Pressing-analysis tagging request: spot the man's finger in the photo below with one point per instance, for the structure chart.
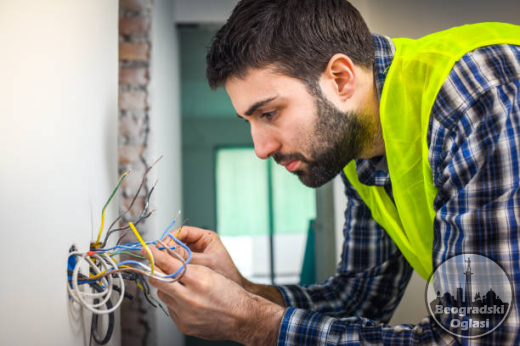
(181, 251)
(163, 260)
(202, 259)
(196, 238)
(196, 257)
(175, 247)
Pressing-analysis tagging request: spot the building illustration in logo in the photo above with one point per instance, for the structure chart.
(469, 312)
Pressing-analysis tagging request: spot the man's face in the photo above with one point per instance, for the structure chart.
(306, 133)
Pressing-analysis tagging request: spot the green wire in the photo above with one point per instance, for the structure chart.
(115, 189)
(96, 244)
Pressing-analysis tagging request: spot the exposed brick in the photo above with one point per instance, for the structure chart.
(130, 185)
(135, 328)
(130, 153)
(132, 190)
(132, 100)
(129, 339)
(134, 54)
(135, 5)
(134, 51)
(131, 287)
(137, 208)
(131, 127)
(133, 76)
(138, 25)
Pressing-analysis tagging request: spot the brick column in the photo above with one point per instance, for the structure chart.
(134, 63)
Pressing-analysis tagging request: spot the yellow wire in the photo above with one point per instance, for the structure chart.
(101, 228)
(94, 277)
(138, 236)
(97, 243)
(180, 229)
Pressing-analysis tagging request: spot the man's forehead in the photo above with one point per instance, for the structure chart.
(258, 85)
(252, 78)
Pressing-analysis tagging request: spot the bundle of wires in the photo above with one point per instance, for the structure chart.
(105, 279)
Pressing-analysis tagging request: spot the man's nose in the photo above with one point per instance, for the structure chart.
(265, 144)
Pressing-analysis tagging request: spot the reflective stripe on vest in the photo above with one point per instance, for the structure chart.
(416, 75)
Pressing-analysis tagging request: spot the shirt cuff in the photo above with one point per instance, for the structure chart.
(303, 327)
(294, 295)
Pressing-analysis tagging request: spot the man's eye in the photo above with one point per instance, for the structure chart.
(268, 115)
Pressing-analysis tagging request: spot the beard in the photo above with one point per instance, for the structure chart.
(338, 137)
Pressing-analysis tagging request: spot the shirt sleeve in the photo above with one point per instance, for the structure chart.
(303, 327)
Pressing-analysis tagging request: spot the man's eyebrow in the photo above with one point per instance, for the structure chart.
(257, 105)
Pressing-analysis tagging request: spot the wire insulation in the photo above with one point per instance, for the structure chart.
(106, 205)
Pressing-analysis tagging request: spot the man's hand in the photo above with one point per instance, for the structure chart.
(208, 250)
(208, 305)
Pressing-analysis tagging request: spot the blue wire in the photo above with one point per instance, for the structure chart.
(167, 229)
(184, 246)
(134, 246)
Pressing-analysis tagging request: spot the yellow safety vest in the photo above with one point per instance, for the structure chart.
(416, 75)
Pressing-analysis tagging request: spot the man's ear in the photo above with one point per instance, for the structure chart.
(340, 76)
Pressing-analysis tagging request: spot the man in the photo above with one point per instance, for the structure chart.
(425, 134)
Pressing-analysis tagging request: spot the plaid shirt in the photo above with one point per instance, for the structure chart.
(474, 139)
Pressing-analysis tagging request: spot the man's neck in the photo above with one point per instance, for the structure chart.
(383, 57)
(371, 111)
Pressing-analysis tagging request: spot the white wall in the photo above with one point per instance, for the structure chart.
(165, 137)
(58, 111)
(411, 18)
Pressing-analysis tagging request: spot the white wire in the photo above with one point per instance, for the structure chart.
(109, 285)
(107, 280)
(78, 295)
(106, 293)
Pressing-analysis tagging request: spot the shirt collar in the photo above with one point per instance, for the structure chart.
(384, 54)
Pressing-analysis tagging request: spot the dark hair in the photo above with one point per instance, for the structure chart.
(296, 37)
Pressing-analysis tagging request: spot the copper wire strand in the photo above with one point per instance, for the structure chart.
(143, 181)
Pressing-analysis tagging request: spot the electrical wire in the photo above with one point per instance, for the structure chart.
(94, 324)
(106, 205)
(111, 318)
(144, 215)
(137, 194)
(170, 226)
(102, 291)
(106, 272)
(138, 236)
(107, 282)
